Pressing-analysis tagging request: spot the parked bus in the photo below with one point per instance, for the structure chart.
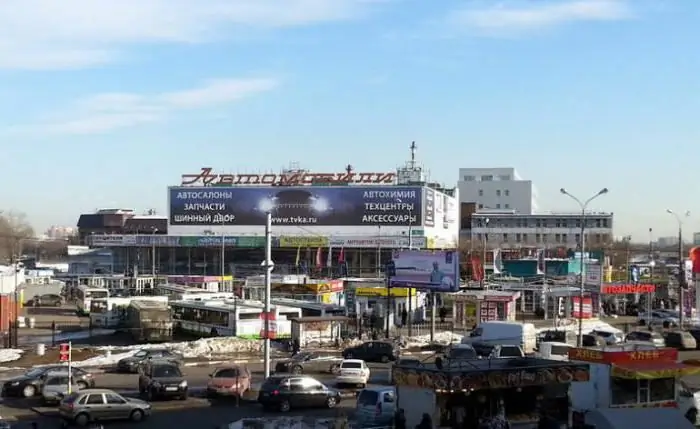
(239, 318)
(84, 296)
(310, 308)
(112, 312)
(150, 321)
(190, 293)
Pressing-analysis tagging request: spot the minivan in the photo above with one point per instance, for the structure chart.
(376, 406)
(504, 333)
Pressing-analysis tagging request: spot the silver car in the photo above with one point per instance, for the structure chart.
(55, 387)
(96, 405)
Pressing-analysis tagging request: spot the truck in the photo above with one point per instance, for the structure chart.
(489, 334)
(149, 321)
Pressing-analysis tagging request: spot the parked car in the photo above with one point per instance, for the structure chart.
(681, 340)
(695, 332)
(461, 352)
(658, 318)
(55, 387)
(48, 300)
(284, 392)
(131, 364)
(373, 351)
(649, 337)
(306, 362)
(93, 405)
(376, 407)
(162, 379)
(610, 337)
(230, 380)
(353, 371)
(29, 384)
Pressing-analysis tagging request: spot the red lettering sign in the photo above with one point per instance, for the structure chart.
(625, 289)
(620, 357)
(206, 178)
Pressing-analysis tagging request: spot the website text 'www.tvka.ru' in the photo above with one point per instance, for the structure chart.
(294, 220)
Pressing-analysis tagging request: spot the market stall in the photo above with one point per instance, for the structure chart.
(478, 391)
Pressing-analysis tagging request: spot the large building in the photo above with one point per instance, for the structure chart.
(497, 189)
(120, 221)
(216, 222)
(499, 209)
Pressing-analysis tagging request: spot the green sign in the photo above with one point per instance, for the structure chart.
(217, 240)
(251, 242)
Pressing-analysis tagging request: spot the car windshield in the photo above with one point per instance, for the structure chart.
(35, 372)
(302, 356)
(368, 397)
(227, 373)
(351, 365)
(462, 353)
(141, 353)
(166, 371)
(510, 352)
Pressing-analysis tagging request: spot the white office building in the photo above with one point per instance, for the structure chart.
(496, 189)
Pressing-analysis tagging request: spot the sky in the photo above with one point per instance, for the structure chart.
(105, 103)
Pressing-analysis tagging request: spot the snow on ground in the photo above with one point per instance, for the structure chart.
(9, 355)
(588, 326)
(204, 347)
(445, 337)
(108, 359)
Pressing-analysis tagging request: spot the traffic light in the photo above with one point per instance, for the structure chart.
(64, 352)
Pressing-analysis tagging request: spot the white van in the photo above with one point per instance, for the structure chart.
(376, 406)
(504, 333)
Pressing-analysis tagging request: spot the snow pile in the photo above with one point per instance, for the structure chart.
(204, 347)
(444, 338)
(9, 355)
(107, 359)
(588, 326)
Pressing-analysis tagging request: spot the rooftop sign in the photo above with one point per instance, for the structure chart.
(205, 177)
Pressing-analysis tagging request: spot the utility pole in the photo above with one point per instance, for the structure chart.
(681, 268)
(268, 265)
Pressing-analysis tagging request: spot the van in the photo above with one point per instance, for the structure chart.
(376, 406)
(504, 333)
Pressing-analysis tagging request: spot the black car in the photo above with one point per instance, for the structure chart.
(373, 351)
(132, 363)
(284, 392)
(48, 300)
(29, 383)
(162, 379)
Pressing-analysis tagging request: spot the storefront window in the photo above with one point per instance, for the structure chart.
(529, 301)
(628, 392)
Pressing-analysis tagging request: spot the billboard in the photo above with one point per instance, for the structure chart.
(434, 270)
(297, 206)
(429, 207)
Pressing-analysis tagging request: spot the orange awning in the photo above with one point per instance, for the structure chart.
(651, 370)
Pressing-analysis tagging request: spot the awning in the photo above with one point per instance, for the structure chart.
(651, 370)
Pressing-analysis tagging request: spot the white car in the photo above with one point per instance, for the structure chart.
(352, 371)
(658, 319)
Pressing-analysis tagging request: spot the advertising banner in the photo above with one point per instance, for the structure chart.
(108, 240)
(214, 240)
(587, 312)
(312, 241)
(378, 242)
(434, 270)
(429, 207)
(303, 206)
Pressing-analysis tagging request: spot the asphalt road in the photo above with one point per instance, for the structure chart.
(195, 410)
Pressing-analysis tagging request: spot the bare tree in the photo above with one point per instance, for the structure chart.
(14, 228)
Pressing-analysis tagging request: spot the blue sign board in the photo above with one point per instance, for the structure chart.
(303, 206)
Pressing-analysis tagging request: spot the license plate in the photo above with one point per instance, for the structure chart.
(171, 389)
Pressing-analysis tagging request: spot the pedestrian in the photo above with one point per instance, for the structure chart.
(400, 419)
(404, 317)
(426, 422)
(443, 314)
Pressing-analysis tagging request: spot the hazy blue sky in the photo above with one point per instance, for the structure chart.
(105, 102)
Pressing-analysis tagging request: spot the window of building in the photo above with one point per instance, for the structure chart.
(577, 223)
(507, 206)
(564, 238)
(597, 223)
(605, 223)
(481, 206)
(498, 206)
(478, 237)
(505, 238)
(537, 238)
(469, 178)
(481, 192)
(505, 177)
(507, 192)
(557, 223)
(557, 238)
(487, 178)
(564, 223)
(498, 192)
(544, 238)
(517, 238)
(525, 238)
(538, 223)
(597, 238)
(577, 237)
(486, 237)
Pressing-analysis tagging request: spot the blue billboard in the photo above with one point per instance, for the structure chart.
(302, 206)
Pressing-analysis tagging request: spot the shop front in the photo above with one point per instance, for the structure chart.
(472, 307)
(300, 287)
(632, 376)
(374, 299)
(517, 391)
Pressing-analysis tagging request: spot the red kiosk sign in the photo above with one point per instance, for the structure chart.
(613, 289)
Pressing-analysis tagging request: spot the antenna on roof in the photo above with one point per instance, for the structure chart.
(348, 169)
(413, 153)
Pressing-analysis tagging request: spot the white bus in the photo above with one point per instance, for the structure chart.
(236, 318)
(112, 312)
(150, 321)
(84, 296)
(309, 308)
(190, 293)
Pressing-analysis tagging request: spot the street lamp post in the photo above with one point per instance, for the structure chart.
(483, 252)
(681, 271)
(652, 264)
(223, 252)
(582, 284)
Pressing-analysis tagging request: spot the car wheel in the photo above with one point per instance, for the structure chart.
(335, 369)
(296, 370)
(285, 406)
(82, 385)
(136, 416)
(331, 402)
(82, 419)
(384, 359)
(692, 415)
(28, 391)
